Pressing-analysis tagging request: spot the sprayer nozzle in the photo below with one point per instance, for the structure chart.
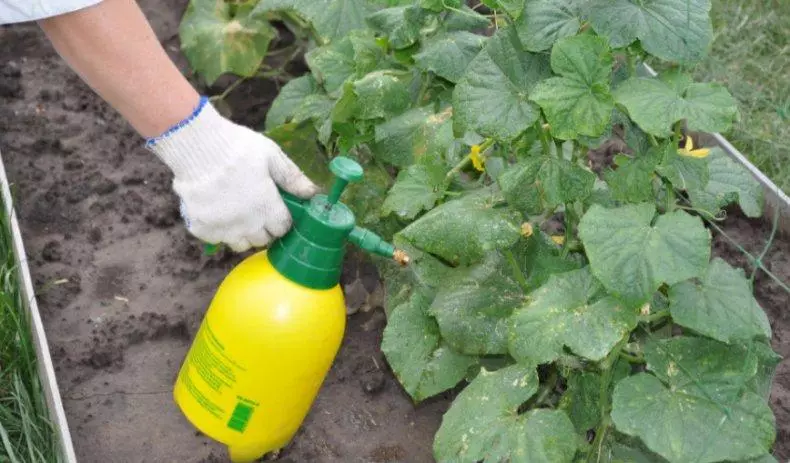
(401, 257)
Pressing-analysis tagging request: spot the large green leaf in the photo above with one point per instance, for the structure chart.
(381, 94)
(538, 258)
(569, 310)
(720, 306)
(632, 181)
(449, 55)
(728, 182)
(300, 143)
(401, 24)
(417, 134)
(334, 19)
(424, 274)
(655, 106)
(332, 64)
(473, 308)
(492, 97)
(413, 348)
(562, 181)
(289, 100)
(578, 102)
(674, 30)
(632, 256)
(217, 37)
(684, 172)
(465, 229)
(698, 404)
(539, 182)
(417, 188)
(546, 21)
(483, 423)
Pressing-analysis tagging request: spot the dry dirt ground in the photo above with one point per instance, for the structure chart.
(122, 287)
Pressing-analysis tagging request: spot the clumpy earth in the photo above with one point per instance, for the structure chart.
(122, 287)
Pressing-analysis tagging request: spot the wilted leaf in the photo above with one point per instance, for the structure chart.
(217, 37)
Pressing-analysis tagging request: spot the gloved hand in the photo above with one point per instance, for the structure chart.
(226, 176)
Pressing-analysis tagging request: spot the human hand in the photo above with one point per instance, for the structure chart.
(227, 177)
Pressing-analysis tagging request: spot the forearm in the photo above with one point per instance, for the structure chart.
(114, 50)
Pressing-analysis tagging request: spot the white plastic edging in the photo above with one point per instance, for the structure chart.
(776, 200)
(46, 372)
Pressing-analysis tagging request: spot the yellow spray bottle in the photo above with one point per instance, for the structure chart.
(274, 327)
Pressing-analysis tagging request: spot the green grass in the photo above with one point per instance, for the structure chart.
(26, 434)
(751, 56)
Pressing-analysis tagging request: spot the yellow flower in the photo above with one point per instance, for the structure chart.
(526, 229)
(558, 239)
(688, 150)
(477, 161)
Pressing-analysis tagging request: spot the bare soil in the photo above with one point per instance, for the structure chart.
(122, 287)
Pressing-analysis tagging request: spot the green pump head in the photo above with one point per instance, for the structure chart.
(311, 253)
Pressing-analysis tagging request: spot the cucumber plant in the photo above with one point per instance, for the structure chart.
(549, 193)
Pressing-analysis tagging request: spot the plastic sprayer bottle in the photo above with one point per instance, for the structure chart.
(274, 327)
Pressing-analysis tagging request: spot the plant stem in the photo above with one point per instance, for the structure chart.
(631, 358)
(654, 317)
(652, 139)
(227, 91)
(547, 387)
(467, 159)
(514, 267)
(544, 141)
(426, 83)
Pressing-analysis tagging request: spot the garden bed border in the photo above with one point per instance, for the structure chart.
(46, 371)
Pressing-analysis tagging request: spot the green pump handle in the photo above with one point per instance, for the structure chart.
(346, 171)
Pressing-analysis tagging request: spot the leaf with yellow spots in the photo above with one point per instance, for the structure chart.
(465, 229)
(701, 400)
(483, 424)
(571, 310)
(419, 133)
(218, 37)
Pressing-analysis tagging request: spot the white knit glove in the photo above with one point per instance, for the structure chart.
(226, 176)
